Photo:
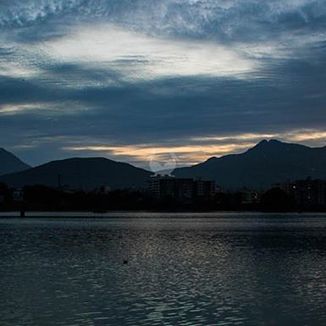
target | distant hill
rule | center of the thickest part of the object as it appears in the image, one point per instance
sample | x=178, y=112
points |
x=267, y=163
x=9, y=163
x=81, y=173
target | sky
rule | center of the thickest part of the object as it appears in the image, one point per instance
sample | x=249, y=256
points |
x=135, y=79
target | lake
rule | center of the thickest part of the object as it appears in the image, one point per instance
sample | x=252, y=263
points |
x=163, y=269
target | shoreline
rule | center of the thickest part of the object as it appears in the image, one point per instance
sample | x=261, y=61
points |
x=147, y=214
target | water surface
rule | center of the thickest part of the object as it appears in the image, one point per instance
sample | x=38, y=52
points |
x=163, y=269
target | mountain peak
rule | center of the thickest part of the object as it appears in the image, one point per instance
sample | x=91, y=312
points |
x=10, y=163
x=269, y=142
x=277, y=145
x=271, y=145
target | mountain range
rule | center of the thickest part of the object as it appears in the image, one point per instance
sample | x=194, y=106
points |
x=268, y=163
x=260, y=167
x=9, y=163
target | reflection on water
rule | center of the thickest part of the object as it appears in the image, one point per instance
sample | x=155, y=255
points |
x=178, y=270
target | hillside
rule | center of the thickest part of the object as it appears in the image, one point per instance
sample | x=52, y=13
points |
x=267, y=163
x=9, y=163
x=81, y=173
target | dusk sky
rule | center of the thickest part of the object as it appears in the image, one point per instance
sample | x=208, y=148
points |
x=126, y=79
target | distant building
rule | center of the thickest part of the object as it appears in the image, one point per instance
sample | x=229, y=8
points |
x=306, y=193
x=18, y=195
x=249, y=196
x=103, y=190
x=204, y=188
x=180, y=188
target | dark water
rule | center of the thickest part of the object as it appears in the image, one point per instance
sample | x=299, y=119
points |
x=189, y=269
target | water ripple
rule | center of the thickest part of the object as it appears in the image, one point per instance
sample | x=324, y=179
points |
x=163, y=271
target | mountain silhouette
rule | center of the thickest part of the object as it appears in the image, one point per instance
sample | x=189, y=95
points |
x=81, y=173
x=9, y=163
x=267, y=163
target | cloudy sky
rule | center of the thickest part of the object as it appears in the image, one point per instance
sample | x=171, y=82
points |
x=129, y=79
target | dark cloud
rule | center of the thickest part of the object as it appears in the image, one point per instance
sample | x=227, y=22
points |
x=228, y=20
